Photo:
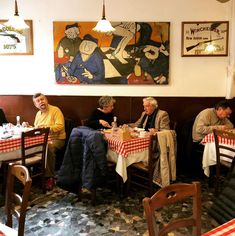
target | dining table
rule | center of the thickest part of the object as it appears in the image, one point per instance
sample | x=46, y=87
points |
x=127, y=152
x=10, y=146
x=209, y=153
x=7, y=231
x=226, y=229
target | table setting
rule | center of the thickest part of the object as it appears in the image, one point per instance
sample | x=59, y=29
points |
x=10, y=141
x=8, y=130
x=126, y=146
x=209, y=153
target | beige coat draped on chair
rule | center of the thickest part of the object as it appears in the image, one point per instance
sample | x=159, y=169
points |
x=165, y=170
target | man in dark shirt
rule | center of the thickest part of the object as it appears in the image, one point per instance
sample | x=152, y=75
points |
x=152, y=118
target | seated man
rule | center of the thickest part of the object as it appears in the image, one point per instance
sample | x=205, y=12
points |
x=212, y=118
x=2, y=117
x=50, y=116
x=152, y=119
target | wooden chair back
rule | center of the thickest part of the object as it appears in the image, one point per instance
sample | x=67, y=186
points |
x=224, y=153
x=141, y=174
x=35, y=151
x=16, y=204
x=169, y=195
x=33, y=154
x=173, y=124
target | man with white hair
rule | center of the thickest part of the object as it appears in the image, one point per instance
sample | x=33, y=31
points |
x=152, y=118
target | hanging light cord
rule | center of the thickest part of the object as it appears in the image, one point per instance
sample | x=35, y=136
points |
x=103, y=12
x=16, y=8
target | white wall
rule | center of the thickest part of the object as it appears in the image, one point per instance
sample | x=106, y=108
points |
x=189, y=76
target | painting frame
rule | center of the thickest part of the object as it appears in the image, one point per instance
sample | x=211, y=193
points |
x=136, y=53
x=204, y=38
x=16, y=42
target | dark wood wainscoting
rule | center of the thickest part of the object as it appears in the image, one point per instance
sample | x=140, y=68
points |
x=127, y=109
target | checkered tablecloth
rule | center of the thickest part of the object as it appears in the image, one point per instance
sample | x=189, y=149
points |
x=127, y=147
x=227, y=228
x=14, y=143
x=209, y=138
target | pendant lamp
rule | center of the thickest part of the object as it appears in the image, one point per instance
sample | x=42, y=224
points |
x=16, y=21
x=103, y=25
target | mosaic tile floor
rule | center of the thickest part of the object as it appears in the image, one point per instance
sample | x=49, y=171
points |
x=60, y=213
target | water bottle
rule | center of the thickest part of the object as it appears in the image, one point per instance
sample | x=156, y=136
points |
x=114, y=123
x=18, y=122
x=114, y=126
x=17, y=129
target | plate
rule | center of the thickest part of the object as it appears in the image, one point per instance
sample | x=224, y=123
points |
x=6, y=136
x=139, y=129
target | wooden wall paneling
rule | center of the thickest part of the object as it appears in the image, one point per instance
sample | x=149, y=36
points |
x=127, y=109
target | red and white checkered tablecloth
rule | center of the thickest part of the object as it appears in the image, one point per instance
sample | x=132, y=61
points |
x=14, y=143
x=227, y=228
x=127, y=147
x=209, y=138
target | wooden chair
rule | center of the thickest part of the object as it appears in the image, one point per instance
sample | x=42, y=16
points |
x=169, y=195
x=173, y=124
x=141, y=174
x=33, y=155
x=69, y=125
x=224, y=154
x=16, y=205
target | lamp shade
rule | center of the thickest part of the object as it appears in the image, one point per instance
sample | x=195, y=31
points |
x=222, y=1
x=103, y=26
x=16, y=22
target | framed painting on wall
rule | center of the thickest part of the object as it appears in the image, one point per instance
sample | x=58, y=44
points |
x=205, y=38
x=136, y=53
x=16, y=42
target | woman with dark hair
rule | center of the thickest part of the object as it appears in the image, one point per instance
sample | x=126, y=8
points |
x=2, y=117
x=102, y=117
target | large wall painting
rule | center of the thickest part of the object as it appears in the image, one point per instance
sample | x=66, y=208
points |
x=135, y=53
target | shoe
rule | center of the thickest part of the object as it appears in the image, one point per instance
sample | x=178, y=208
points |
x=50, y=183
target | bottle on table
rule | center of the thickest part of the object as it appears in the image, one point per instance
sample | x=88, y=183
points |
x=114, y=123
x=114, y=126
x=17, y=129
x=18, y=122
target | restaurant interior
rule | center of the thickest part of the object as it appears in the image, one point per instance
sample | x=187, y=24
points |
x=195, y=82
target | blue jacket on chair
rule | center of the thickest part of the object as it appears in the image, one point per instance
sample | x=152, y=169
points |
x=85, y=162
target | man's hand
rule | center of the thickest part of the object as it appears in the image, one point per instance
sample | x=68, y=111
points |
x=153, y=131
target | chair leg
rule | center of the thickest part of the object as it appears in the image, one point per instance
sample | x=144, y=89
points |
x=4, y=181
x=150, y=186
x=93, y=197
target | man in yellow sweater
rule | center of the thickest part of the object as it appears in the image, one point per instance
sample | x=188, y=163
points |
x=50, y=116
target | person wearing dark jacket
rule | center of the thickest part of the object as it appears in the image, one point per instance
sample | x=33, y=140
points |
x=102, y=117
x=2, y=117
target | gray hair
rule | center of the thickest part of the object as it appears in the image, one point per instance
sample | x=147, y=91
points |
x=36, y=95
x=151, y=100
x=104, y=101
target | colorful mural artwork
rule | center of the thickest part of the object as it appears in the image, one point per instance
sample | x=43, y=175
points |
x=135, y=53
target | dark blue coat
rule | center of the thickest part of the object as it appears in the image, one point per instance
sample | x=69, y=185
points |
x=85, y=161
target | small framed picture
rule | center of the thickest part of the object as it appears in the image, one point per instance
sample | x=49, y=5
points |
x=16, y=42
x=208, y=38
